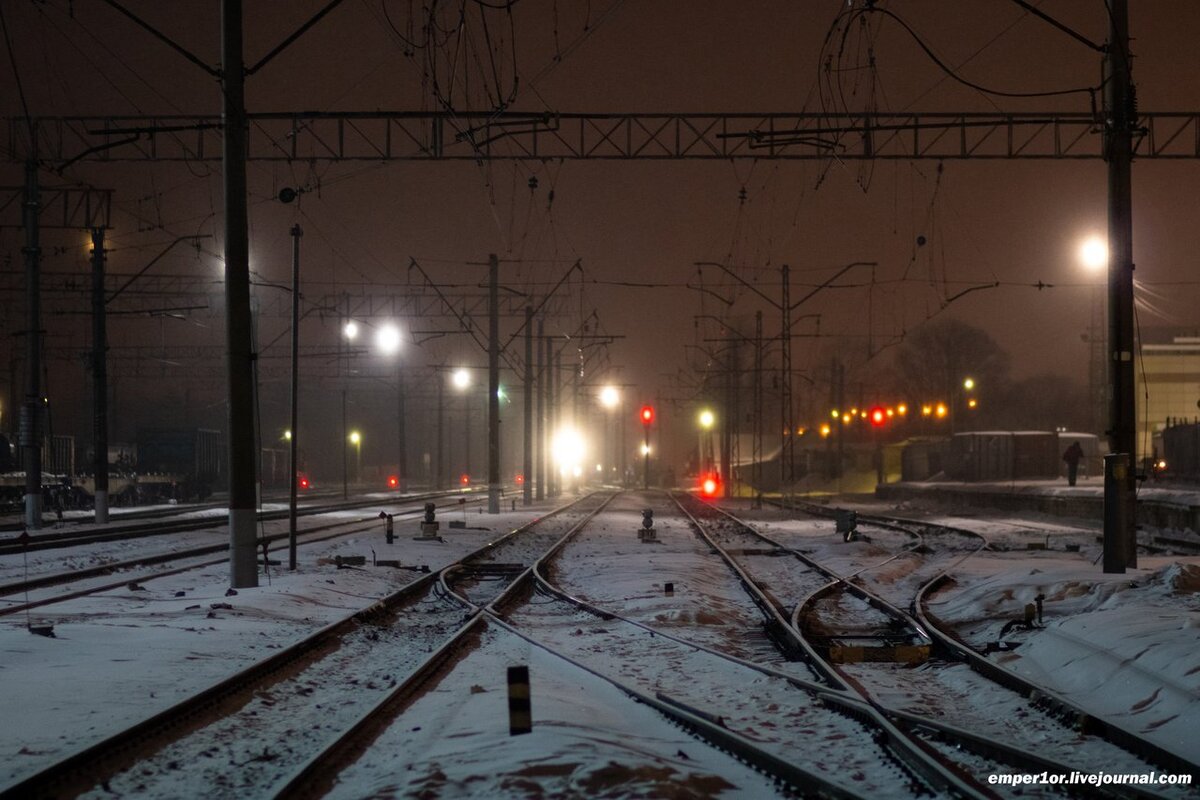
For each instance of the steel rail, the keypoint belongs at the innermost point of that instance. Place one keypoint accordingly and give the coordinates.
(78, 772)
(60, 539)
(919, 756)
(1052, 703)
(317, 774)
(836, 699)
(58, 578)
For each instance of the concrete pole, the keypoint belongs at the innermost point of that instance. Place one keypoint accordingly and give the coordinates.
(440, 469)
(401, 429)
(1120, 121)
(540, 449)
(551, 420)
(494, 385)
(527, 460)
(294, 423)
(345, 446)
(32, 409)
(243, 566)
(99, 380)
(758, 403)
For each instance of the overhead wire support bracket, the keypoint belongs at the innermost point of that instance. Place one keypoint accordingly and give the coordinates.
(1079, 37)
(167, 40)
(303, 29)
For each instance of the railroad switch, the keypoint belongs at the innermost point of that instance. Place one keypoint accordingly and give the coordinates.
(846, 522)
(389, 527)
(646, 533)
(429, 524)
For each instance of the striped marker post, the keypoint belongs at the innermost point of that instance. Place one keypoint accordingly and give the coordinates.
(520, 716)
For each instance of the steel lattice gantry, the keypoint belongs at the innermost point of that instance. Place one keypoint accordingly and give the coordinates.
(402, 135)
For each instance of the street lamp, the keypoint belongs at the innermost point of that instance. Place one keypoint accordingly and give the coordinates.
(706, 419)
(387, 339)
(610, 398)
(350, 330)
(461, 378)
(1093, 253)
(1093, 257)
(356, 440)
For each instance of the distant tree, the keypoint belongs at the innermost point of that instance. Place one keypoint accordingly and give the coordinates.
(934, 360)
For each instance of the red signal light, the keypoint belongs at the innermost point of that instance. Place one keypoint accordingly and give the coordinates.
(393, 481)
(709, 486)
(304, 483)
(520, 480)
(878, 416)
(647, 415)
(464, 479)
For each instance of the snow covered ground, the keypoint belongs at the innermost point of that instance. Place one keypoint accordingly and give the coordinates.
(123, 655)
(1124, 647)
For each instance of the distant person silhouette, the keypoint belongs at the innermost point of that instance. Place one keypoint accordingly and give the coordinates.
(1072, 456)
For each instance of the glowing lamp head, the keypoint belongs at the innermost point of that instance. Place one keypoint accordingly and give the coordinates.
(609, 397)
(393, 482)
(387, 339)
(464, 479)
(303, 483)
(350, 330)
(878, 416)
(1093, 253)
(709, 486)
(355, 437)
(461, 379)
(707, 418)
(520, 479)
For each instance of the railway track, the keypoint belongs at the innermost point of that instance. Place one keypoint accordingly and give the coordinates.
(855, 619)
(120, 514)
(532, 608)
(328, 716)
(16, 545)
(290, 704)
(170, 563)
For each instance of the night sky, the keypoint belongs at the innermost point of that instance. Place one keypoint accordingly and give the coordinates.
(1012, 222)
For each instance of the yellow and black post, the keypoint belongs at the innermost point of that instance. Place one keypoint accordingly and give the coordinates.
(520, 716)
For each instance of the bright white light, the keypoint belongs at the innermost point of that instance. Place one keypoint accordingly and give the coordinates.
(568, 449)
(350, 331)
(1093, 253)
(707, 419)
(287, 435)
(609, 397)
(461, 379)
(387, 339)
(577, 470)
(355, 437)
(599, 468)
(645, 449)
